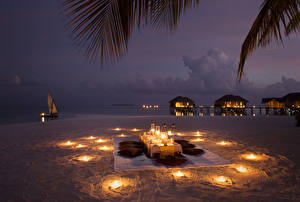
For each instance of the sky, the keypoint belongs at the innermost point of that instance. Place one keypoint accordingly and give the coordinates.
(199, 59)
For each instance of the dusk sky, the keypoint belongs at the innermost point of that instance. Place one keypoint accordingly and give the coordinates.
(198, 60)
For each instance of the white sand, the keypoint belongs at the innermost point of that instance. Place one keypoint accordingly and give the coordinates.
(35, 167)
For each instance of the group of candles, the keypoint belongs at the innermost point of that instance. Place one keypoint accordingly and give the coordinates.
(160, 135)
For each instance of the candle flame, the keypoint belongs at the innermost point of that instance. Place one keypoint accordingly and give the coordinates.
(80, 146)
(221, 179)
(198, 140)
(85, 158)
(100, 140)
(242, 169)
(106, 148)
(91, 138)
(115, 184)
(251, 156)
(178, 174)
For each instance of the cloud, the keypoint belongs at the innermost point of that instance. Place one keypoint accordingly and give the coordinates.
(287, 85)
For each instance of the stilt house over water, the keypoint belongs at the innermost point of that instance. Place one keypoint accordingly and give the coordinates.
(182, 103)
(291, 100)
(231, 101)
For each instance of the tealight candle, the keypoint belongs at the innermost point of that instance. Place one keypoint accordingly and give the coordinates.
(115, 184)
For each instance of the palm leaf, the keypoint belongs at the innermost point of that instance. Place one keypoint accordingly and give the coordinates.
(274, 16)
(104, 27)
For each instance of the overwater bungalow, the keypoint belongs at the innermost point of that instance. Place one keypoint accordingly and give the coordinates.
(275, 103)
(231, 101)
(231, 104)
(182, 103)
(288, 104)
(182, 106)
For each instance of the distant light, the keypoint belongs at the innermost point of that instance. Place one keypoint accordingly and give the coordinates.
(122, 135)
(117, 129)
(43, 119)
(178, 174)
(242, 169)
(254, 114)
(115, 184)
(91, 137)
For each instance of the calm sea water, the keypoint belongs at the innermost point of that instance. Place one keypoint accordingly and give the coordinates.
(21, 115)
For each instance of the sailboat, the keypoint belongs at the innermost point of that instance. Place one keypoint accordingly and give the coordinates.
(53, 112)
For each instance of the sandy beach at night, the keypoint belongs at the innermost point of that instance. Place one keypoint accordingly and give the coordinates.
(37, 165)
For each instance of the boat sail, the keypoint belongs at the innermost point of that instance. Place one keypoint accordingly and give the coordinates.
(53, 112)
(51, 105)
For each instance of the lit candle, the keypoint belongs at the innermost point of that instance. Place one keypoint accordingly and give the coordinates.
(100, 140)
(242, 169)
(178, 174)
(85, 158)
(251, 157)
(115, 184)
(105, 148)
(198, 140)
(80, 146)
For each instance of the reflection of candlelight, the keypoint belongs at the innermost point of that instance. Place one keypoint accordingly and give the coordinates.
(115, 184)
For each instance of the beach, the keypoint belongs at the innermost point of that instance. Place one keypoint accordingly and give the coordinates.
(37, 165)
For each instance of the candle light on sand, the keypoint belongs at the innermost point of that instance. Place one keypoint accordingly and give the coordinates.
(198, 140)
(68, 143)
(115, 184)
(242, 169)
(251, 156)
(85, 158)
(100, 140)
(224, 143)
(178, 174)
(223, 180)
(105, 148)
(80, 146)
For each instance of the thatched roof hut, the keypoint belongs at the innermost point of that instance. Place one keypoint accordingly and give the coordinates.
(231, 101)
(182, 102)
(290, 100)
